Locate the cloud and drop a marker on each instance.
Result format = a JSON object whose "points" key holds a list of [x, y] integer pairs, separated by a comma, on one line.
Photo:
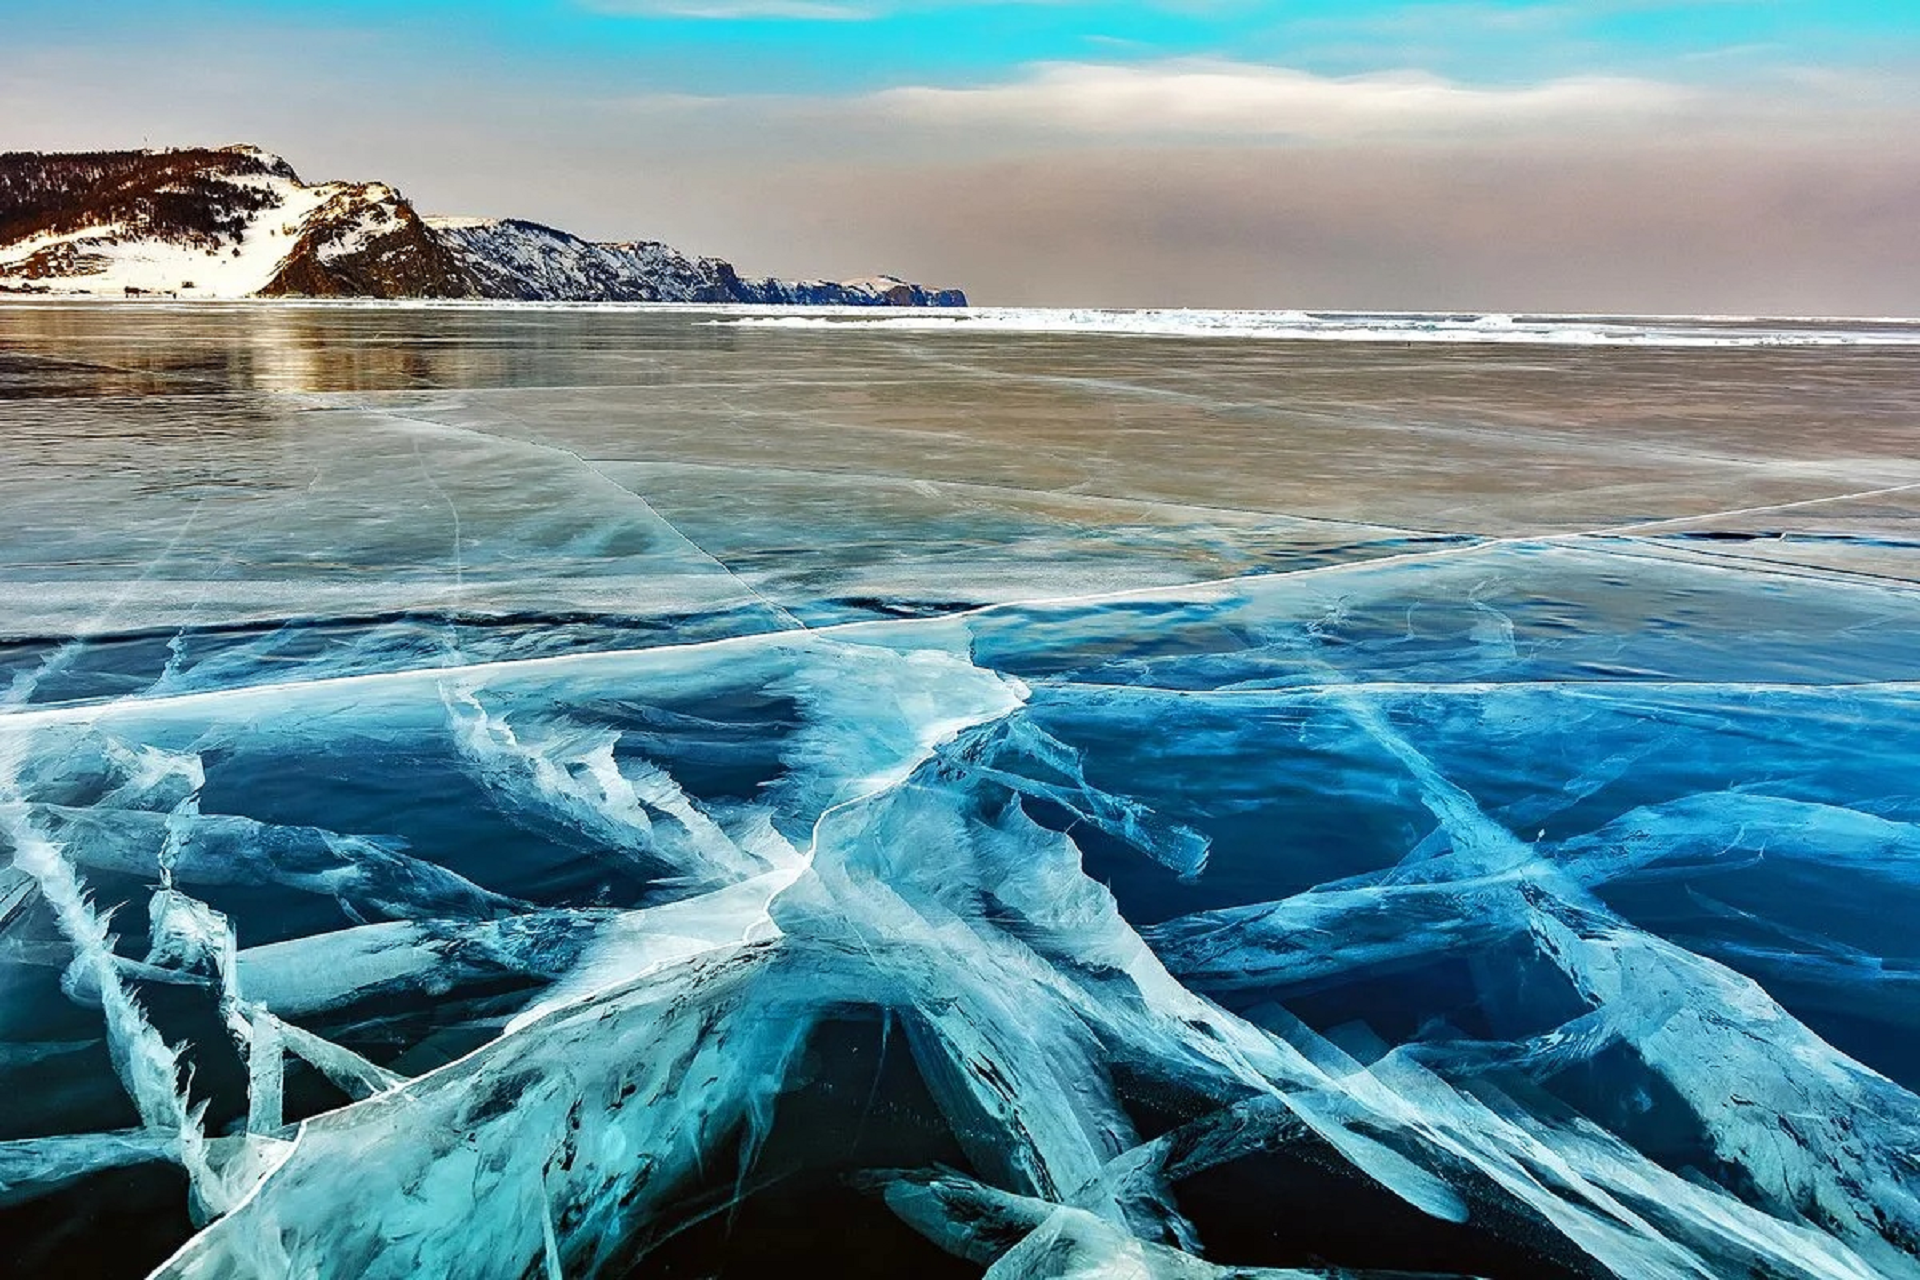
{"points": [[1236, 99]]}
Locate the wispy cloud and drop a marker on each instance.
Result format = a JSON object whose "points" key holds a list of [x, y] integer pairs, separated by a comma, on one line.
{"points": [[1232, 99], [1049, 108]]}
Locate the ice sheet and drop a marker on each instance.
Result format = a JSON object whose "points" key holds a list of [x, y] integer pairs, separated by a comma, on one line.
{"points": [[547, 793]]}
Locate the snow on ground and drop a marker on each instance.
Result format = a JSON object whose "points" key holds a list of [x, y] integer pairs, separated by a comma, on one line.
{"points": [[235, 270], [377, 206]]}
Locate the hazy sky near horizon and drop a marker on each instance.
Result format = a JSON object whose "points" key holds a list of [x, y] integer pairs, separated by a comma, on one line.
{"points": [[1606, 155]]}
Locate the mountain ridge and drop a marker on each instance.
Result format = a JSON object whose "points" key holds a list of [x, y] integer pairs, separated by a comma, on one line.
{"points": [[237, 221]]}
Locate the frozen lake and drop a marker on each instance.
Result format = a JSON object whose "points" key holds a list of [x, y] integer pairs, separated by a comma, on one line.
{"points": [[533, 792]]}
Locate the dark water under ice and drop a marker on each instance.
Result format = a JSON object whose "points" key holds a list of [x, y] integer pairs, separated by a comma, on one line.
{"points": [[534, 793]]}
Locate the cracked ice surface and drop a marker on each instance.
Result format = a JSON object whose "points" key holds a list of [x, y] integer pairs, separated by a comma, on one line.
{"points": [[547, 794]]}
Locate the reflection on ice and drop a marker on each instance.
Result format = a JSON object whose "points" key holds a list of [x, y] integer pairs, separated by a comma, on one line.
{"points": [[526, 858]]}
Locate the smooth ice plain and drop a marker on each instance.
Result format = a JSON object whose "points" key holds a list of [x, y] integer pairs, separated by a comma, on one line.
{"points": [[542, 793]]}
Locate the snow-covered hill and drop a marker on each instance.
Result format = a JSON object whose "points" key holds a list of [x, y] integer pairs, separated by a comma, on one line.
{"points": [[238, 222], [510, 258], [231, 223]]}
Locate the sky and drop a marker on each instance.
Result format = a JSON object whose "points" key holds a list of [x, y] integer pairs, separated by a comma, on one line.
{"points": [[1709, 156]]}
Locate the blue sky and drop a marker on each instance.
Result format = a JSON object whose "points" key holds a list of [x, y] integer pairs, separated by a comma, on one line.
{"points": [[1716, 154], [1473, 40], [829, 46]]}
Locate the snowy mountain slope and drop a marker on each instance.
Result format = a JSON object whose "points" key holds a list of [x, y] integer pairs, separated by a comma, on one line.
{"points": [[511, 258], [367, 241], [238, 222], [213, 224]]}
